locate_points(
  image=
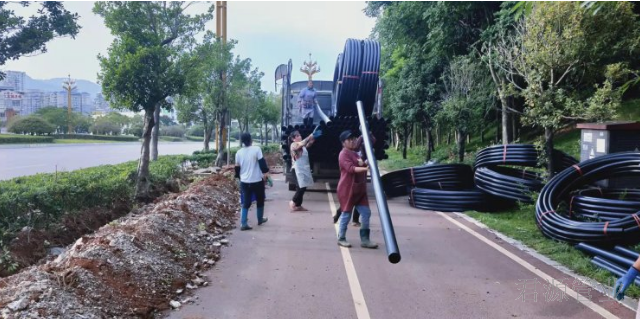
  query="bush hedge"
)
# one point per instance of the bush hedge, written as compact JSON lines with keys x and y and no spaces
{"x":16,"y":138}
{"x":95,"y":137}
{"x":42,"y":200}
{"x":195,"y":138}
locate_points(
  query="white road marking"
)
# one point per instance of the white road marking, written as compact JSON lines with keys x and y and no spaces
{"x":596,"y":308}
{"x":362,"y":311}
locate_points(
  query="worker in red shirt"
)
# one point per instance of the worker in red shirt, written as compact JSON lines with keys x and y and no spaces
{"x":352,"y":189}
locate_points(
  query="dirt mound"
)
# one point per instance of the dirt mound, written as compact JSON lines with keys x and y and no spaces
{"x":134,"y":266}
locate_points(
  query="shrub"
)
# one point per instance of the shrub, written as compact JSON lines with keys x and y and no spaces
{"x":12,"y":138}
{"x":31,"y":125}
{"x":172,"y":131}
{"x":95,"y":137}
{"x":196,"y":130}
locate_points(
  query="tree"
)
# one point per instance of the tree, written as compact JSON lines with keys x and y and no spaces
{"x":418,"y":41}
{"x":32,"y":125}
{"x":104,"y":125}
{"x":21,"y":36}
{"x":135,"y":126}
{"x":209,"y":99}
{"x":559,"y":54}
{"x":268,"y":113}
{"x":466,"y":97}
{"x":59,"y":118}
{"x":144,"y":65}
{"x":173,"y":131}
{"x":167,"y":121}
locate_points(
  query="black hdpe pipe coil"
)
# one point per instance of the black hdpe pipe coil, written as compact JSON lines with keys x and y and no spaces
{"x":494,"y":178}
{"x":604,"y":204}
{"x":556,"y":223}
{"x":626,"y":252}
{"x":448,"y":200}
{"x":438,"y":176}
{"x":369,"y":74}
{"x":350,"y":78}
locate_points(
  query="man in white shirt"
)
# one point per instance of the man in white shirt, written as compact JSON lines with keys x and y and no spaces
{"x":251,"y":168}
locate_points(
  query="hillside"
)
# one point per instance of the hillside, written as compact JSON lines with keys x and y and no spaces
{"x":55,"y":84}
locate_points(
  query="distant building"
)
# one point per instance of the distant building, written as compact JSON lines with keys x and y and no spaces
{"x":32,"y":101}
{"x":101,"y":106}
{"x":13,"y":80}
{"x":81,"y":102}
{"x":9,"y":100}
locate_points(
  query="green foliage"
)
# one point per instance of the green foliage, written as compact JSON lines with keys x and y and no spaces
{"x":562,"y":63}
{"x":10,"y":138}
{"x":194,"y":138}
{"x":95,"y":137}
{"x":135,"y":127}
{"x":196,"y":130}
{"x":59,"y":118}
{"x":202,"y":158}
{"x":169,"y":139}
{"x":41,"y":201}
{"x":32,"y":125}
{"x":172,"y":131}
{"x":146,"y":61}
{"x":207,"y":98}
{"x":22,"y":36}
{"x":104,"y":126}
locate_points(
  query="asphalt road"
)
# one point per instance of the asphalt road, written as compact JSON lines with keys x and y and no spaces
{"x":291,"y":267}
{"x":22,"y":160}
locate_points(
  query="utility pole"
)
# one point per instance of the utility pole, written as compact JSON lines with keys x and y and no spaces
{"x":69,"y":85}
{"x":221,"y":32}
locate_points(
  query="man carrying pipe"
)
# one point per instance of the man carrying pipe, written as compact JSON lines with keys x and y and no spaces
{"x":352,"y":190}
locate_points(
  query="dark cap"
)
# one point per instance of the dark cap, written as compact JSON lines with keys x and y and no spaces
{"x":245,"y":138}
{"x":346,"y":135}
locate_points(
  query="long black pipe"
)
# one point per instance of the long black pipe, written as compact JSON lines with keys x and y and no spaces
{"x":605,"y":254}
{"x":612,"y":267}
{"x":389,"y":234}
{"x":626,"y":252}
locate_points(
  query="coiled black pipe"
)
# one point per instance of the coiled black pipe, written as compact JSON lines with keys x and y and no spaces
{"x":509,"y":183}
{"x":604,"y":204}
{"x":438,"y":176}
{"x":369,"y":74}
{"x":555,"y":223}
{"x":449,"y":200}
{"x":349,"y":78}
{"x":525,"y":155}
{"x":516,"y":185}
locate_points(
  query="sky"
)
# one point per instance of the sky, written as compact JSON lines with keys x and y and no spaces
{"x":270,"y":33}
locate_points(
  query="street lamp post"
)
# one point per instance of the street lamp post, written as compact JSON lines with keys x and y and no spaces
{"x":69,"y":85}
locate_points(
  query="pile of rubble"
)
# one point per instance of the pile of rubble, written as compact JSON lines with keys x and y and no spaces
{"x":135,"y":266}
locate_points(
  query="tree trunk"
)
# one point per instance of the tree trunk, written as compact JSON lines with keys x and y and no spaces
{"x":430,"y":137}
{"x":482,"y":133}
{"x":397,"y":140}
{"x":514,"y":127}
{"x":207,"y":137}
{"x":548,"y":143}
{"x":437,"y":136}
{"x":449,"y":138}
{"x":505,"y":120}
{"x":155,"y":133}
{"x":461,"y":144}
{"x":404,"y":143}
{"x":429,"y":144}
{"x":266,"y":134}
{"x":142,"y":180}
{"x":220,"y":147}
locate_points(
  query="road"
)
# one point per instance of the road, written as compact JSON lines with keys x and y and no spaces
{"x":291,"y":267}
{"x":22,"y":160}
